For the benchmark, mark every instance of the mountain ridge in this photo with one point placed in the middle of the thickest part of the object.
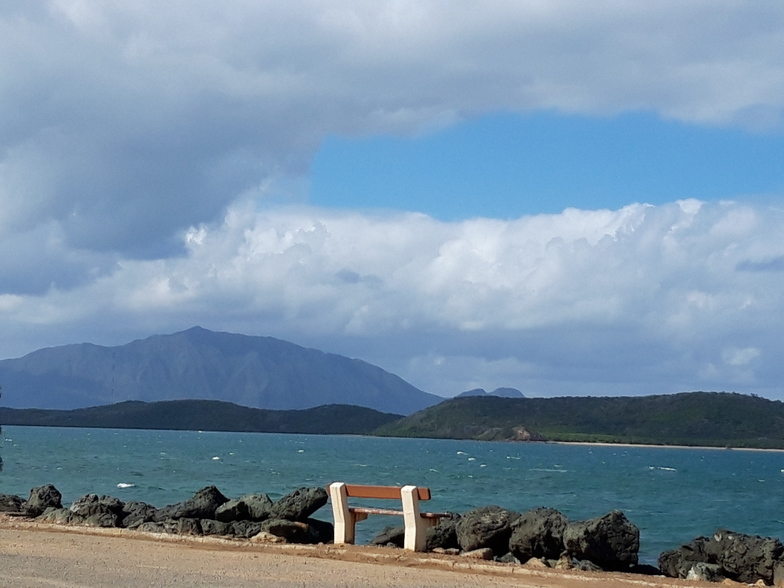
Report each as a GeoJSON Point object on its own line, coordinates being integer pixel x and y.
{"type": "Point", "coordinates": [205, 415]}
{"type": "Point", "coordinates": [252, 371]}
{"type": "Point", "coordinates": [718, 419]}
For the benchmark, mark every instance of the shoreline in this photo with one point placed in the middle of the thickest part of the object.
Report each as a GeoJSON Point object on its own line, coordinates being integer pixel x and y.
{"type": "Point", "coordinates": [655, 446]}
{"type": "Point", "coordinates": [83, 555]}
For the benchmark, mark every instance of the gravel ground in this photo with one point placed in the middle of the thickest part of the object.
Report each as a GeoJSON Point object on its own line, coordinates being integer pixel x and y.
{"type": "Point", "coordinates": [35, 555]}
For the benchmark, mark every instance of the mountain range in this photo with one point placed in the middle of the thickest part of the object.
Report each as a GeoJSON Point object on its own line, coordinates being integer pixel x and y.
{"type": "Point", "coordinates": [251, 371]}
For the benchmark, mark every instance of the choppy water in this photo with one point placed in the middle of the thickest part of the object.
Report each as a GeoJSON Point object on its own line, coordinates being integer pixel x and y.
{"type": "Point", "coordinates": [672, 495]}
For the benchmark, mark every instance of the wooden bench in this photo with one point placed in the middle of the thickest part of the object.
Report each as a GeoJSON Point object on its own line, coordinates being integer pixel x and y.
{"type": "Point", "coordinates": [416, 522]}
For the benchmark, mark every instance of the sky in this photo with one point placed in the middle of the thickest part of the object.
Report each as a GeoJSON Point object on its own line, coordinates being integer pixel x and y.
{"type": "Point", "coordinates": [566, 198]}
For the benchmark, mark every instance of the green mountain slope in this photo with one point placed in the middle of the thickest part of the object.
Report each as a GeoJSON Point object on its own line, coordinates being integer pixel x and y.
{"type": "Point", "coordinates": [206, 415]}
{"type": "Point", "coordinates": [694, 418]}
{"type": "Point", "coordinates": [261, 372]}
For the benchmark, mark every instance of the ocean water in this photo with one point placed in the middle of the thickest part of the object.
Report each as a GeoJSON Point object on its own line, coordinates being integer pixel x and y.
{"type": "Point", "coordinates": [671, 494]}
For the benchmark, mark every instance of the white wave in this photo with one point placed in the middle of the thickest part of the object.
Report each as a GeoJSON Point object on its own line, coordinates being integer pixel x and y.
{"type": "Point", "coordinates": [662, 468]}
{"type": "Point", "coordinates": [215, 458]}
{"type": "Point", "coordinates": [549, 470]}
{"type": "Point", "coordinates": [126, 485]}
{"type": "Point", "coordinates": [464, 453]}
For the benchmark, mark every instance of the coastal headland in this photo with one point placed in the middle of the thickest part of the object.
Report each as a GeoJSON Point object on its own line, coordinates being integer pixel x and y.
{"type": "Point", "coordinates": [34, 554]}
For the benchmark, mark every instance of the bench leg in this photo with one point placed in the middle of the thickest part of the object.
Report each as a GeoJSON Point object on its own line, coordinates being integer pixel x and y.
{"type": "Point", "coordinates": [344, 520]}
{"type": "Point", "coordinates": [416, 526]}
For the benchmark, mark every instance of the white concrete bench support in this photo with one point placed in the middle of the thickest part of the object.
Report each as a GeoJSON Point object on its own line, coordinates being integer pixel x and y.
{"type": "Point", "coordinates": [346, 517]}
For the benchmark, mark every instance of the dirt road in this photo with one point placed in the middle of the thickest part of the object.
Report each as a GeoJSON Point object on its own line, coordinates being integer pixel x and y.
{"type": "Point", "coordinates": [33, 555]}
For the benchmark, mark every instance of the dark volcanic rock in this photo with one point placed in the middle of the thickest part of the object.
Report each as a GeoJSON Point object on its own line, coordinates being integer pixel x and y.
{"type": "Point", "coordinates": [678, 562]}
{"type": "Point", "coordinates": [213, 527]}
{"type": "Point", "coordinates": [739, 557]}
{"type": "Point", "coordinates": [10, 503]}
{"type": "Point", "coordinates": [487, 526]}
{"type": "Point", "coordinates": [245, 529]}
{"type": "Point", "coordinates": [745, 558]}
{"type": "Point", "coordinates": [41, 498]}
{"type": "Point", "coordinates": [202, 506]}
{"type": "Point", "coordinates": [611, 541]}
{"type": "Point", "coordinates": [300, 504]}
{"type": "Point", "coordinates": [188, 526]}
{"type": "Point", "coordinates": [259, 506]}
{"type": "Point", "coordinates": [321, 531]}
{"type": "Point", "coordinates": [102, 519]}
{"type": "Point", "coordinates": [391, 535]}
{"type": "Point", "coordinates": [233, 510]}
{"type": "Point", "coordinates": [60, 516]}
{"type": "Point", "coordinates": [444, 534]}
{"type": "Point", "coordinates": [135, 513]}
{"type": "Point", "coordinates": [538, 533]}
{"type": "Point", "coordinates": [291, 531]}
{"type": "Point", "coordinates": [152, 527]}
{"type": "Point", "coordinates": [92, 504]}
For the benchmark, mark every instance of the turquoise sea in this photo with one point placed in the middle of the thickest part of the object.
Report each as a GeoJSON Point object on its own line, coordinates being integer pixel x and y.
{"type": "Point", "coordinates": [671, 494]}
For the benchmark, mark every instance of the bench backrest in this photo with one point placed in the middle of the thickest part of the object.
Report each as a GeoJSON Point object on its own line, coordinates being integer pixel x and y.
{"type": "Point", "coordinates": [390, 492]}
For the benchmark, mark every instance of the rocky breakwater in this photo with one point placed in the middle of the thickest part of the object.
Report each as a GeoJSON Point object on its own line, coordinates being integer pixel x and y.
{"type": "Point", "coordinates": [208, 512]}
{"type": "Point", "coordinates": [541, 537]}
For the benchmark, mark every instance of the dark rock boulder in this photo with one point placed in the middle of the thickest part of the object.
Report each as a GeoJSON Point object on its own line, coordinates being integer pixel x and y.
{"type": "Point", "coordinates": [102, 519]}
{"type": "Point", "coordinates": [259, 506]}
{"type": "Point", "coordinates": [152, 527]}
{"type": "Point", "coordinates": [245, 529]}
{"type": "Point", "coordinates": [678, 562]}
{"type": "Point", "coordinates": [92, 504]}
{"type": "Point", "coordinates": [135, 513]}
{"type": "Point", "coordinates": [739, 557]}
{"type": "Point", "coordinates": [705, 572]}
{"type": "Point", "coordinates": [170, 526]}
{"type": "Point", "coordinates": [60, 516]}
{"type": "Point", "coordinates": [202, 506]}
{"type": "Point", "coordinates": [41, 498]}
{"type": "Point", "coordinates": [745, 558]}
{"type": "Point", "coordinates": [538, 533]}
{"type": "Point", "coordinates": [213, 527]}
{"type": "Point", "coordinates": [444, 534]}
{"type": "Point", "coordinates": [291, 531]}
{"type": "Point", "coordinates": [486, 526]}
{"type": "Point", "coordinates": [300, 504]}
{"type": "Point", "coordinates": [11, 503]}
{"type": "Point", "coordinates": [233, 510]}
{"type": "Point", "coordinates": [188, 526]}
{"type": "Point", "coordinates": [611, 541]}
{"type": "Point", "coordinates": [393, 535]}
{"type": "Point", "coordinates": [321, 531]}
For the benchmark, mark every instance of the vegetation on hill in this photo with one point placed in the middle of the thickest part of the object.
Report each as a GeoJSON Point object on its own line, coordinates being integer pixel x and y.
{"type": "Point", "coordinates": [206, 415]}
{"type": "Point", "coordinates": [695, 418]}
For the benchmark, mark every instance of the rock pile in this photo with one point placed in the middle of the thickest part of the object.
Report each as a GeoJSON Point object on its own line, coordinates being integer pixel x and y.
{"type": "Point", "coordinates": [610, 542]}
{"type": "Point", "coordinates": [208, 512]}
{"type": "Point", "coordinates": [743, 558]}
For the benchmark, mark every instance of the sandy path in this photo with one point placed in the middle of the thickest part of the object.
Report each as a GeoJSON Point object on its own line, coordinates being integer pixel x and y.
{"type": "Point", "coordinates": [33, 555]}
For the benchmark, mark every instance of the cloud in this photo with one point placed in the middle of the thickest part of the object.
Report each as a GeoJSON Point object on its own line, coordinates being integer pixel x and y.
{"type": "Point", "coordinates": [642, 299]}
{"type": "Point", "coordinates": [140, 142]}
{"type": "Point", "coordinates": [125, 122]}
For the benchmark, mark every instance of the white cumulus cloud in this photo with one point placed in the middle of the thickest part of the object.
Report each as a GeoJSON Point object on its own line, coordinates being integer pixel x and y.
{"type": "Point", "coordinates": [637, 300]}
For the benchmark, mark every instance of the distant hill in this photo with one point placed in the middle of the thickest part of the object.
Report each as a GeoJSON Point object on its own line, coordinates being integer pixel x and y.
{"type": "Point", "coordinates": [694, 418]}
{"type": "Point", "coordinates": [258, 372]}
{"type": "Point", "coordinates": [206, 415]}
{"type": "Point", "coordinates": [500, 392]}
